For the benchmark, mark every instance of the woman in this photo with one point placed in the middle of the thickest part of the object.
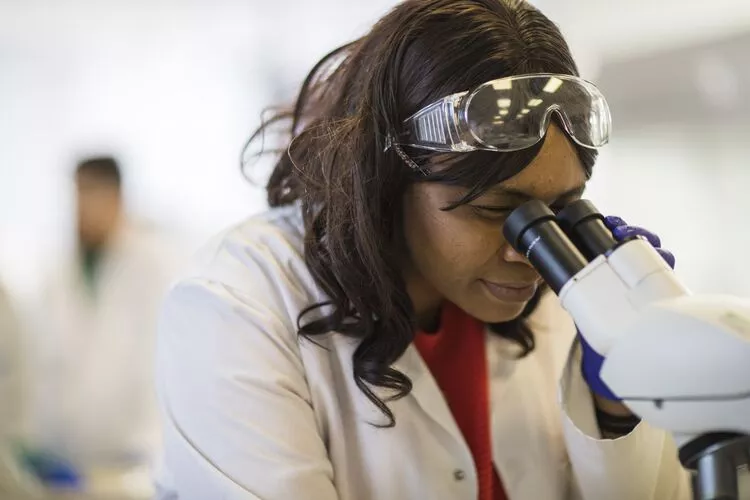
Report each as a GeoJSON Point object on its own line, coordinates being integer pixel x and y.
{"type": "Point", "coordinates": [373, 336]}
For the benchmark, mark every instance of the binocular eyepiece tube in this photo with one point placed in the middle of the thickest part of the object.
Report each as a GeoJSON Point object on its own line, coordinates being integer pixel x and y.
{"type": "Point", "coordinates": [584, 225]}
{"type": "Point", "coordinates": [558, 246]}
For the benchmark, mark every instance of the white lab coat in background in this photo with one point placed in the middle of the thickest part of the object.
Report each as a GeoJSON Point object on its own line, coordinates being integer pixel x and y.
{"type": "Point", "coordinates": [251, 411]}
{"type": "Point", "coordinates": [92, 397]}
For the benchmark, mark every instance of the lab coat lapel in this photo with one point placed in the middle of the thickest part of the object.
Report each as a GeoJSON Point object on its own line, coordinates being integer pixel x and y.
{"type": "Point", "coordinates": [427, 394]}
{"type": "Point", "coordinates": [528, 446]}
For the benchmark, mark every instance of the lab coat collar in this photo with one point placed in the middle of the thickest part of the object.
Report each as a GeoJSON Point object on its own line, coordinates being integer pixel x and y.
{"type": "Point", "coordinates": [425, 391]}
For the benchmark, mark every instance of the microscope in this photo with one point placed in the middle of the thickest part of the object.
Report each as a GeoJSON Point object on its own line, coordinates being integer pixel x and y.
{"type": "Point", "coordinates": [679, 361]}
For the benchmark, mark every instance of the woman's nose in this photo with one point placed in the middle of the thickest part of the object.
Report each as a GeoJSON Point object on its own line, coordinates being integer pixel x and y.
{"type": "Point", "coordinates": [510, 254]}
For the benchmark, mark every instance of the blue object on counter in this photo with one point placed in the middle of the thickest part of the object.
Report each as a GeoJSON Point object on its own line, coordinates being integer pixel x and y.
{"type": "Point", "coordinates": [53, 471]}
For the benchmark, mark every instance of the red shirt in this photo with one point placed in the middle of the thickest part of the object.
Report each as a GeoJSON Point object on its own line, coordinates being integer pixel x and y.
{"type": "Point", "coordinates": [456, 356]}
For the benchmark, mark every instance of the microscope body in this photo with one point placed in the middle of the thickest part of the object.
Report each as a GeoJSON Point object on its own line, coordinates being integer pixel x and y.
{"type": "Point", "coordinates": [679, 361]}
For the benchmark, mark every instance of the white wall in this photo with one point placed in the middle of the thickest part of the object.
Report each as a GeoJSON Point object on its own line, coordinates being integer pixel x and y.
{"type": "Point", "coordinates": [690, 186]}
{"type": "Point", "coordinates": [616, 28]}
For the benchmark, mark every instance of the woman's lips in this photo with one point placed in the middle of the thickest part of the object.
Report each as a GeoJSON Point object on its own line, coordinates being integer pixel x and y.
{"type": "Point", "coordinates": [511, 292]}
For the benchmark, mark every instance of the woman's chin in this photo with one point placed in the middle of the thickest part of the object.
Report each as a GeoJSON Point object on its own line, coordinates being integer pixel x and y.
{"type": "Point", "coordinates": [495, 312]}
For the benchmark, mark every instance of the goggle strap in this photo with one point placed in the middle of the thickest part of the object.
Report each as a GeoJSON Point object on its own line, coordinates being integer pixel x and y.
{"type": "Point", "coordinates": [402, 154]}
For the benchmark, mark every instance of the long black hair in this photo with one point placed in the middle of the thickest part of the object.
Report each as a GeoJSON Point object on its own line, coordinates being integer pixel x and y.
{"type": "Point", "coordinates": [335, 162]}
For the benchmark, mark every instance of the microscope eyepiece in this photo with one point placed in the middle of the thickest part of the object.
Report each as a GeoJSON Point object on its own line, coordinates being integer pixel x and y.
{"type": "Point", "coordinates": [533, 231]}
{"type": "Point", "coordinates": [583, 223]}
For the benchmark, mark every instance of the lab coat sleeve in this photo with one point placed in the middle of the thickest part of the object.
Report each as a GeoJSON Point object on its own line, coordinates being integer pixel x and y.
{"type": "Point", "coordinates": [237, 414]}
{"type": "Point", "coordinates": [642, 465]}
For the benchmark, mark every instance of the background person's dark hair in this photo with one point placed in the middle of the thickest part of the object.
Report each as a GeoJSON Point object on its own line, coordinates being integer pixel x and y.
{"type": "Point", "coordinates": [351, 189]}
{"type": "Point", "coordinates": [103, 168]}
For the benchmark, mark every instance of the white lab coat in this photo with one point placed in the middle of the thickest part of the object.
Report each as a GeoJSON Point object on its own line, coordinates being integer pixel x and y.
{"type": "Point", "coordinates": [251, 411]}
{"type": "Point", "coordinates": [93, 399]}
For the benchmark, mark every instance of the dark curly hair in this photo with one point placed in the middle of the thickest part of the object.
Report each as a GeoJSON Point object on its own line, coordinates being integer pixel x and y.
{"type": "Point", "coordinates": [335, 164]}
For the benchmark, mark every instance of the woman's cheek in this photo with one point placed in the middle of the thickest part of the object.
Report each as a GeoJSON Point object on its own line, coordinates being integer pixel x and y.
{"type": "Point", "coordinates": [473, 244]}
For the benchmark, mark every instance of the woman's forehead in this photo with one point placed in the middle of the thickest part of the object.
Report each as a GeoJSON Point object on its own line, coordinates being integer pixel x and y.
{"type": "Point", "coordinates": [555, 171]}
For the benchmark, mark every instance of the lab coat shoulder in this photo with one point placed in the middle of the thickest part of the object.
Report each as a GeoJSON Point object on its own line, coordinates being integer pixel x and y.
{"type": "Point", "coordinates": [232, 381]}
{"type": "Point", "coordinates": [264, 252]}
{"type": "Point", "coordinates": [641, 465]}
{"type": "Point", "coordinates": [149, 251]}
{"type": "Point", "coordinates": [139, 257]}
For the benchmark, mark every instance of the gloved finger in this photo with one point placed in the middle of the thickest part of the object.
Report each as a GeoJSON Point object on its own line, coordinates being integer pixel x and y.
{"type": "Point", "coordinates": [667, 256]}
{"type": "Point", "coordinates": [622, 232]}
{"type": "Point", "coordinates": [591, 366]}
{"type": "Point", "coordinates": [613, 221]}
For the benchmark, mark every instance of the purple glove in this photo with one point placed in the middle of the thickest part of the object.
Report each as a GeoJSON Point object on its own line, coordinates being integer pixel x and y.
{"type": "Point", "coordinates": [591, 364]}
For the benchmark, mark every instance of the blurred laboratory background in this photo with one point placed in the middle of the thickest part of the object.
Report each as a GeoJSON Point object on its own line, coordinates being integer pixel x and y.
{"type": "Point", "coordinates": [171, 89]}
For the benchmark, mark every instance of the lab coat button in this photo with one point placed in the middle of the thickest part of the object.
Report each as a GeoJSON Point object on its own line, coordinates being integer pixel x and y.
{"type": "Point", "coordinates": [459, 475]}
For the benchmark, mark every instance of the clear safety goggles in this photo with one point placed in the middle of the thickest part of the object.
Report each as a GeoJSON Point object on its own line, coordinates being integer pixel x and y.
{"type": "Point", "coordinates": [510, 114]}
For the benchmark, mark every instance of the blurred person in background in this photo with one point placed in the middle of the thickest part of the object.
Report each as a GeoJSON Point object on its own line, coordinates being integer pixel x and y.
{"type": "Point", "coordinates": [373, 336]}
{"type": "Point", "coordinates": [94, 426]}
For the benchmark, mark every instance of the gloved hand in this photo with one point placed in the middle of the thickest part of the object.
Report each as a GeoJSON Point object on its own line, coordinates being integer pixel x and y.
{"type": "Point", "coordinates": [591, 364]}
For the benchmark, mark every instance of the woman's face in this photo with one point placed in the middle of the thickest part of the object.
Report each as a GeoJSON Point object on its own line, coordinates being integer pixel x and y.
{"type": "Point", "coordinates": [461, 255]}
